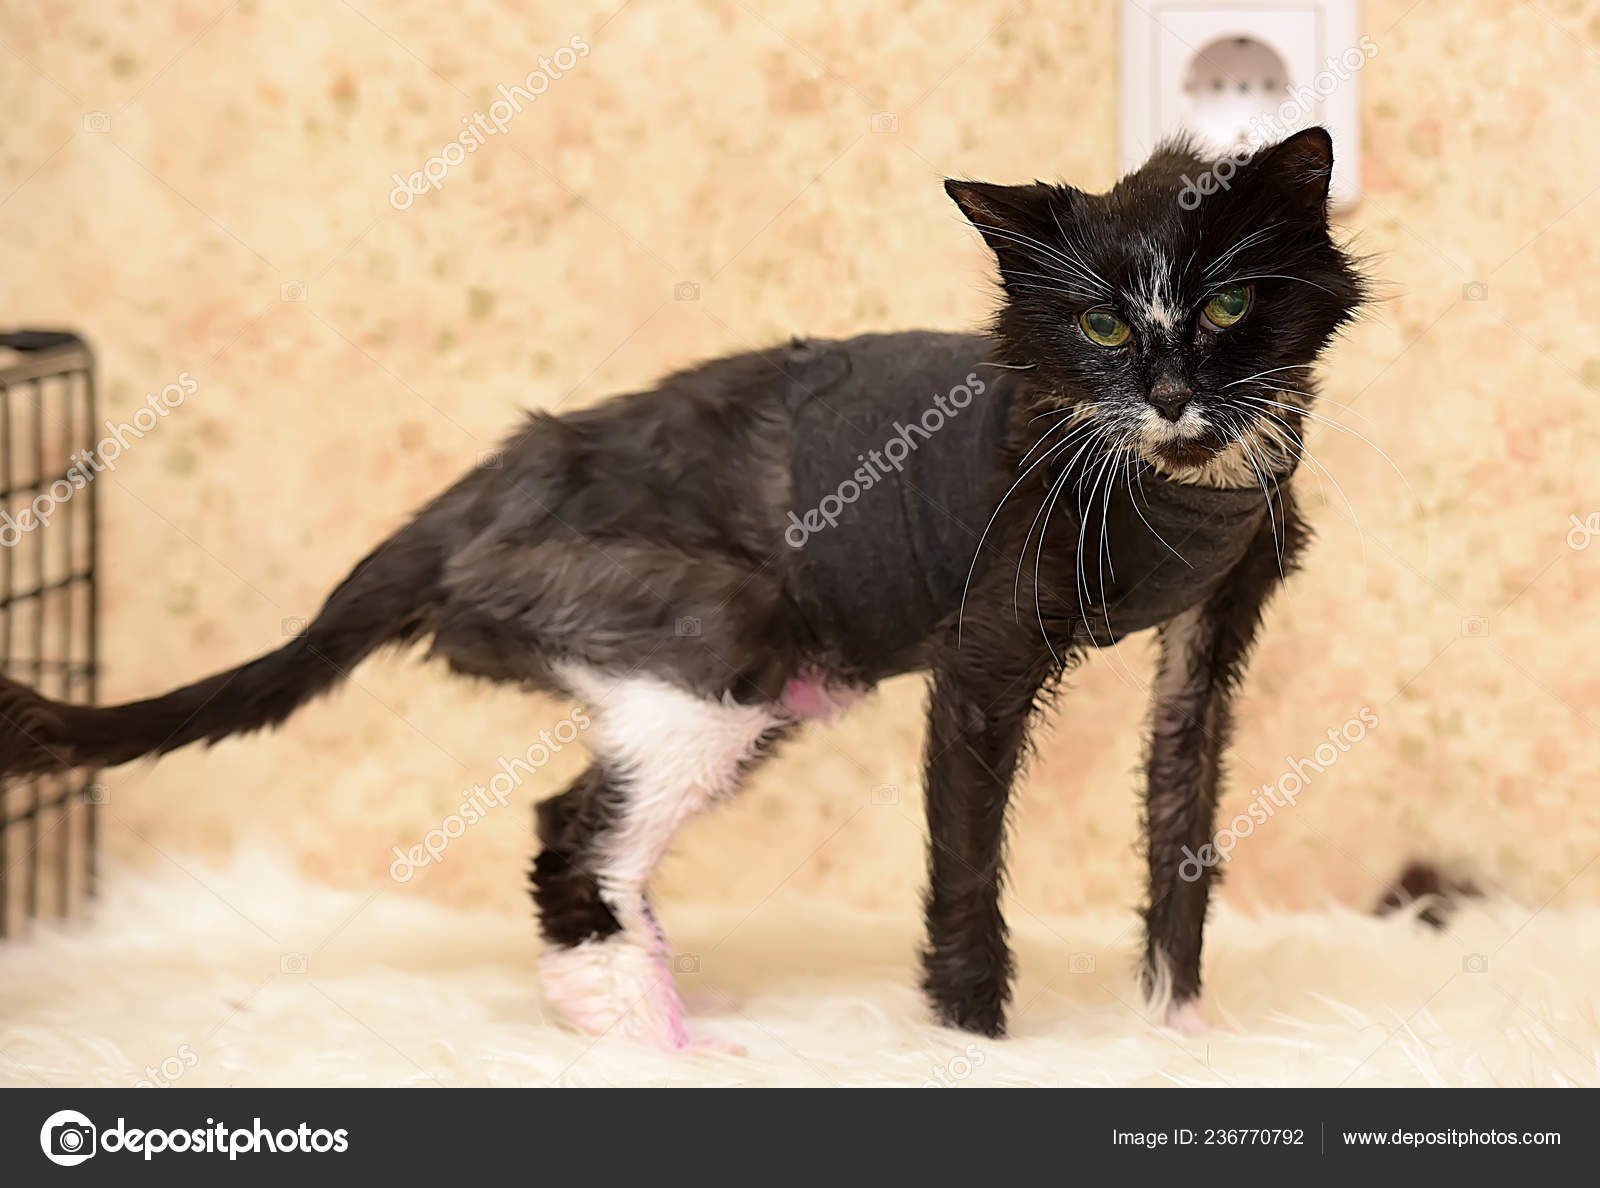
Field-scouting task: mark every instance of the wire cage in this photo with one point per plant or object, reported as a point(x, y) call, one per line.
point(49, 635)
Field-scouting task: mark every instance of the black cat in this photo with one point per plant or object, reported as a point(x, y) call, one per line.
point(710, 564)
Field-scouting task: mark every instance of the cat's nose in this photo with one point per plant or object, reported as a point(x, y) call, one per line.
point(1169, 395)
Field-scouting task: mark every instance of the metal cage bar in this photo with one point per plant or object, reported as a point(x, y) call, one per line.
point(49, 607)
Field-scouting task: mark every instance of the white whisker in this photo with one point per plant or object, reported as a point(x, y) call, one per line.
point(1332, 424)
point(984, 535)
point(1243, 243)
point(1045, 436)
point(1135, 465)
point(1245, 433)
point(1308, 456)
point(1268, 371)
point(1233, 280)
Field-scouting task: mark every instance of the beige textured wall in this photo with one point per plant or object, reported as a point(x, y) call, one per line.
point(730, 145)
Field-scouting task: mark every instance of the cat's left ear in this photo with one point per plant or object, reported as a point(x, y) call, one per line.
point(1300, 169)
point(1017, 222)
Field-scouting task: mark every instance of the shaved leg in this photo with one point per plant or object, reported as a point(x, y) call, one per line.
point(1203, 657)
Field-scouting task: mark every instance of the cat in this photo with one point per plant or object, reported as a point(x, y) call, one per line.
point(756, 542)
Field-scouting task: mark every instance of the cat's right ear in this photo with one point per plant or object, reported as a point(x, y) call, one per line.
point(1017, 222)
point(1300, 169)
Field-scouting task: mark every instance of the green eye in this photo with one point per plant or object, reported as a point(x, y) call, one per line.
point(1104, 327)
point(1228, 306)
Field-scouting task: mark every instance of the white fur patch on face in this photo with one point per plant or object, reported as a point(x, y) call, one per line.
point(1155, 302)
point(1249, 460)
point(668, 753)
point(1159, 313)
point(1156, 430)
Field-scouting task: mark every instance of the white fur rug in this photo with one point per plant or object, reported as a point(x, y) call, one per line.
point(249, 976)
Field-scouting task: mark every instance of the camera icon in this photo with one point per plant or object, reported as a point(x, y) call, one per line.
point(1475, 963)
point(686, 291)
point(97, 122)
point(292, 626)
point(292, 291)
point(1081, 963)
point(491, 460)
point(688, 625)
point(686, 963)
point(67, 1138)
point(885, 794)
point(97, 794)
point(884, 122)
point(1475, 291)
point(292, 963)
point(1475, 625)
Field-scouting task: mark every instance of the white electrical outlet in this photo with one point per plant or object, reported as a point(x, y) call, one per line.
point(1239, 75)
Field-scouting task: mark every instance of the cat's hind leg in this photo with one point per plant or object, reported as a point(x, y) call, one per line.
point(662, 753)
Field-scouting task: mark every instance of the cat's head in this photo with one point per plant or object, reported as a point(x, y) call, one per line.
point(1179, 312)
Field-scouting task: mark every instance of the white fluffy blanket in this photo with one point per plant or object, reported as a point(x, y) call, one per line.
point(250, 976)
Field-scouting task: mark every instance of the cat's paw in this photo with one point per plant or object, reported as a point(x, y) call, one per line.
point(969, 986)
point(716, 1047)
point(982, 1017)
point(615, 986)
point(1186, 1017)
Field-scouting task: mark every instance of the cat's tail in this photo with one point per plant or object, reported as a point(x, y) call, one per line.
point(383, 600)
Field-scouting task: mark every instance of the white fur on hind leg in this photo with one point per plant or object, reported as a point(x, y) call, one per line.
point(1186, 1017)
point(615, 985)
point(669, 753)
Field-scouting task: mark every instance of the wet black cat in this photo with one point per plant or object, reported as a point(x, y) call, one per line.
point(756, 541)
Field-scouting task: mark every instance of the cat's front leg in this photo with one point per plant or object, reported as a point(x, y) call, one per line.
point(981, 701)
point(1203, 655)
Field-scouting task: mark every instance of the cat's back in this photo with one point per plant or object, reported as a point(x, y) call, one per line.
point(831, 490)
point(715, 456)
point(895, 460)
